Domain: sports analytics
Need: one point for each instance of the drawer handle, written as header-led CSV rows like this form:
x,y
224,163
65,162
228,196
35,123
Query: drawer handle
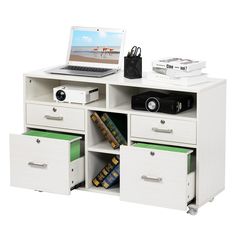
x,y
151,179
43,166
53,117
167,131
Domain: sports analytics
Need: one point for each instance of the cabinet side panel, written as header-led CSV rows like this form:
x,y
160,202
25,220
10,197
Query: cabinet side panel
x,y
211,112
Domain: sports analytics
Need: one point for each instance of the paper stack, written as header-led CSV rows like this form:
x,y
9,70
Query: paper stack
x,y
179,71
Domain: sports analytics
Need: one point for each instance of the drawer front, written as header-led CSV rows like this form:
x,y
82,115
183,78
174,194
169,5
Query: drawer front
x,y
163,129
40,164
61,117
154,177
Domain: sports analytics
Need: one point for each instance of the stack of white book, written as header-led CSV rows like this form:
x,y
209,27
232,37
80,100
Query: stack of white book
x,y
178,71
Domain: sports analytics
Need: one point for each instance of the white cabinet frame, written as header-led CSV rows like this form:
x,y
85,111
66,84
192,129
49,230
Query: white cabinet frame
x,y
207,119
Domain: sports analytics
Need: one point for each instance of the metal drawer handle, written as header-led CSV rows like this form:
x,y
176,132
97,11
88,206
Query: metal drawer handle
x,y
43,166
167,131
53,117
151,179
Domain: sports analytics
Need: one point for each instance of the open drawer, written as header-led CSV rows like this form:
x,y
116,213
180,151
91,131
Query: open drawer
x,y
44,163
157,175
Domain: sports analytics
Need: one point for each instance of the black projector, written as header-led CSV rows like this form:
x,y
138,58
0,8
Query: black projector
x,y
160,102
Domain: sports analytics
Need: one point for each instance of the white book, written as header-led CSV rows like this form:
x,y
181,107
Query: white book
x,y
183,81
176,73
179,64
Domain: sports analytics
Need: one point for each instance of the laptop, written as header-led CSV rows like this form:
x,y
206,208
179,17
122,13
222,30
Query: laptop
x,y
94,52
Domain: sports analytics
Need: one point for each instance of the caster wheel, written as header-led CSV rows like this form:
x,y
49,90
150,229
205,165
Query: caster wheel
x,y
192,211
212,199
39,191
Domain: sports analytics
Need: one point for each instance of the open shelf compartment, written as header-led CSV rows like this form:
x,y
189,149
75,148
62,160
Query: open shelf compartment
x,y
96,140
97,161
120,101
40,91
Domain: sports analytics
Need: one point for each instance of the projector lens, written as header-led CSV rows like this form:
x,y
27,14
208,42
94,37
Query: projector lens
x,y
60,95
152,104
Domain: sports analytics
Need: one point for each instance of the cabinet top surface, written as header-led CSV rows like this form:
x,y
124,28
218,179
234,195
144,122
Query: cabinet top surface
x,y
119,79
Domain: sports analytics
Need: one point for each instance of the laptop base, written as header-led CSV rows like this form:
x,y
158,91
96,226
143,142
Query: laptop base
x,y
62,71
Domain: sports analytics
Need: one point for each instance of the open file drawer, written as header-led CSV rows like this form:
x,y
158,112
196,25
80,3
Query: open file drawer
x,y
46,161
157,175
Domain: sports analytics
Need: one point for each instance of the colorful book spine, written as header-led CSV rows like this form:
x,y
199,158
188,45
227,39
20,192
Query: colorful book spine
x,y
112,178
105,172
113,128
105,131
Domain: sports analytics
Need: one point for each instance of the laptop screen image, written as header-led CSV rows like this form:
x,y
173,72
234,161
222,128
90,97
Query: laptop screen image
x,y
95,46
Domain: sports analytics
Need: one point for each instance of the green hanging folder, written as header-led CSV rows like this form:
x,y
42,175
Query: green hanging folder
x,y
191,158
75,150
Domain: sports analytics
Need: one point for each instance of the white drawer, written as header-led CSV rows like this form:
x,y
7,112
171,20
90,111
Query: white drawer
x,y
156,177
53,116
155,128
44,164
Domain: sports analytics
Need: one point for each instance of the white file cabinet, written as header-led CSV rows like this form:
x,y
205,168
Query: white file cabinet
x,y
155,177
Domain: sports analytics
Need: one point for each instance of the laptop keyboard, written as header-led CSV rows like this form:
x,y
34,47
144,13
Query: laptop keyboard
x,y
82,68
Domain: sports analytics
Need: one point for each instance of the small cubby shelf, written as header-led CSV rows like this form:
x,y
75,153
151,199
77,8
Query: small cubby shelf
x,y
96,140
40,91
95,162
120,101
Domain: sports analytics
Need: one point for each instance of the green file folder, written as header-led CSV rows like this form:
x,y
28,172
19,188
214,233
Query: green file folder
x,y
75,151
191,158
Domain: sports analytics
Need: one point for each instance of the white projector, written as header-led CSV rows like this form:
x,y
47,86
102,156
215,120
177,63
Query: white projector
x,y
75,94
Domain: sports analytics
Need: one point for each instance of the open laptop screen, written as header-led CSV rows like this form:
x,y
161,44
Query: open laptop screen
x,y
96,46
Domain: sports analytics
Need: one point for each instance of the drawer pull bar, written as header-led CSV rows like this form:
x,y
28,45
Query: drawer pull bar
x,y
53,117
167,131
151,179
32,164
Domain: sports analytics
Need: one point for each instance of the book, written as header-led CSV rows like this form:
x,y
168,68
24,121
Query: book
x,y
176,73
112,178
105,171
113,128
179,64
105,131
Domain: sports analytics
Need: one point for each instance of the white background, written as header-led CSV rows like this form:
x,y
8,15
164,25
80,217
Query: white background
x,y
35,34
